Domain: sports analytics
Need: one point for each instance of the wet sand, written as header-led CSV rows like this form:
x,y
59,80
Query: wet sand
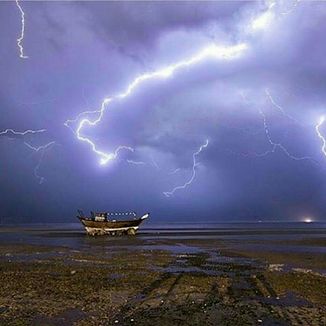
x,y
246,276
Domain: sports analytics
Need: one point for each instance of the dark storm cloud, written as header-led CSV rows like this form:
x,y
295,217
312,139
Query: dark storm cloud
x,y
81,52
142,23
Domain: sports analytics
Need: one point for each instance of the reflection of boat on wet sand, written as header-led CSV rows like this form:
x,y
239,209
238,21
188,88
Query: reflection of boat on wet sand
x,y
107,223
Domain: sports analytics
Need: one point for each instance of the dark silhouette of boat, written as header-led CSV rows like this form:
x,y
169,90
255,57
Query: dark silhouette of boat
x,y
109,223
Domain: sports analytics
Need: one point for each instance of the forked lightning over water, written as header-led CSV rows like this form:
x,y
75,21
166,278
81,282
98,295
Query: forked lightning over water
x,y
258,24
193,175
207,53
211,51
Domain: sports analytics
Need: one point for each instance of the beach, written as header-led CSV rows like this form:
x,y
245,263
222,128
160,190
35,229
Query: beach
x,y
165,275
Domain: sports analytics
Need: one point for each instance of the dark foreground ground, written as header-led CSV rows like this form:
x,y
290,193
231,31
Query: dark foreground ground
x,y
162,280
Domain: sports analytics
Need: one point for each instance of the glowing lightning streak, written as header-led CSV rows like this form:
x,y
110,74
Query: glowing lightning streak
x,y
154,163
39,148
42,148
269,96
293,7
11,132
195,164
69,121
322,138
37,167
22,33
210,52
135,162
275,145
174,171
21,133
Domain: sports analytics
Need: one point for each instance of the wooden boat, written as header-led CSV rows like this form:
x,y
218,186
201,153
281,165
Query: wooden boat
x,y
107,224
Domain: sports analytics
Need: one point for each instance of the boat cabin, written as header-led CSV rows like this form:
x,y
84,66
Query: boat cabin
x,y
99,217
106,216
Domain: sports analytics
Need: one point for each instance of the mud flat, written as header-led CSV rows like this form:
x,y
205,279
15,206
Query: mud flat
x,y
136,281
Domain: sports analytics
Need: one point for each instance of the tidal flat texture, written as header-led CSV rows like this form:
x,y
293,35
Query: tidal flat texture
x,y
160,281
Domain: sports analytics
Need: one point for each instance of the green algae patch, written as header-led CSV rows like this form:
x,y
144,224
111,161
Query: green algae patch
x,y
305,284
295,259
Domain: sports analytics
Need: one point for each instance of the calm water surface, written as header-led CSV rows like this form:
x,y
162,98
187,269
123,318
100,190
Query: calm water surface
x,y
257,236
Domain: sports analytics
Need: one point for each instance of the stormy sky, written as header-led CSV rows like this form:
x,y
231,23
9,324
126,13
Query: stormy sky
x,y
258,107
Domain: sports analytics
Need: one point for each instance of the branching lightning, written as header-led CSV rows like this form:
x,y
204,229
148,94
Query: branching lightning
x,y
39,148
321,137
194,166
22,32
92,118
10,133
43,148
212,51
275,145
209,52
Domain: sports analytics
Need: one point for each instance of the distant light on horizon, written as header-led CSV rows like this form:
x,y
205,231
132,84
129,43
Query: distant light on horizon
x,y
307,220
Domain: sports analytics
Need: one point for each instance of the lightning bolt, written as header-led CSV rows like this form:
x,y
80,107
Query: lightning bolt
x,y
262,21
120,148
212,51
154,163
193,175
43,148
293,7
69,121
174,171
279,108
321,137
22,32
209,52
136,162
37,167
275,146
21,133
39,148
12,133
